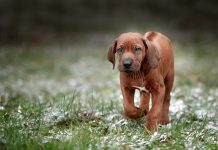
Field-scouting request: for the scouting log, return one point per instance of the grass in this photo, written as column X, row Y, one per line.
column 65, row 99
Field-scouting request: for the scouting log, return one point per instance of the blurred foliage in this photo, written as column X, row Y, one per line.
column 33, row 19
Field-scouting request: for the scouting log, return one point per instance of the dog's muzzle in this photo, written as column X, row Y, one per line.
column 127, row 63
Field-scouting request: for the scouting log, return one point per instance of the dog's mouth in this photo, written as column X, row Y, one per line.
column 129, row 70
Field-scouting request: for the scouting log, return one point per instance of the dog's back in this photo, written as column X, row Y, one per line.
column 165, row 49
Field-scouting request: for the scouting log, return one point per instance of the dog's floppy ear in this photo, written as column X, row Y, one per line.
column 153, row 54
column 111, row 53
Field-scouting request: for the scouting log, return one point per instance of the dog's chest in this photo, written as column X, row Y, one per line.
column 141, row 89
column 139, row 81
column 140, row 84
column 144, row 85
column 147, row 86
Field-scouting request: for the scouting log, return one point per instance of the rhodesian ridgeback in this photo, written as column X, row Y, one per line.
column 146, row 63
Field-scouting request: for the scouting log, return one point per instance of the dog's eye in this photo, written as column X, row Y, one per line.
column 138, row 49
column 120, row 50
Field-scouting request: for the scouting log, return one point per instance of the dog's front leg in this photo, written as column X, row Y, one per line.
column 154, row 113
column 128, row 103
column 144, row 102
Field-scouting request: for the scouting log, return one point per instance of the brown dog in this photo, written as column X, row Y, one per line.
column 146, row 63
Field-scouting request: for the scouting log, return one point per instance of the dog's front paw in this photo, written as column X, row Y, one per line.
column 151, row 123
column 164, row 120
column 144, row 111
column 134, row 113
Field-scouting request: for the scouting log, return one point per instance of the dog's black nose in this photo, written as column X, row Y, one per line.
column 127, row 62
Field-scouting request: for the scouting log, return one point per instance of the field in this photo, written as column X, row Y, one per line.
column 68, row 97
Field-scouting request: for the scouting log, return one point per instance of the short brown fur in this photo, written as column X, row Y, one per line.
column 151, row 67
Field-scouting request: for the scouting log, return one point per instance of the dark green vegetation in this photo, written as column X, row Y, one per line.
column 42, row 19
column 70, row 99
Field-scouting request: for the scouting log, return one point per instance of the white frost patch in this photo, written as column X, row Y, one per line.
column 121, row 122
column 169, row 125
column 53, row 115
column 116, row 121
column 112, row 116
column 214, row 92
column 162, row 137
column 177, row 106
column 127, row 140
column 60, row 135
column 201, row 113
column 154, row 136
column 197, row 93
column 212, row 125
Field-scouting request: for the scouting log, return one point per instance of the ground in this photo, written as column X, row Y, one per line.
column 68, row 97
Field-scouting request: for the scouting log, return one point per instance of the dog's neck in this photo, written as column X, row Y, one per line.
column 141, row 74
column 141, row 78
column 136, row 75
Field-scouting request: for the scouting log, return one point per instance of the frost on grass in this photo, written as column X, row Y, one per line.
column 185, row 102
column 62, row 135
column 205, row 104
column 53, row 115
column 100, row 102
column 83, row 77
column 92, row 74
column 212, row 125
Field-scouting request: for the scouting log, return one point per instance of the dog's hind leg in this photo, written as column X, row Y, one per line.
column 168, row 81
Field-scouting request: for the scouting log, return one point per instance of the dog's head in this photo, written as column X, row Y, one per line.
column 133, row 49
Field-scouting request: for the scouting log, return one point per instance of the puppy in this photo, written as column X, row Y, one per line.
column 146, row 63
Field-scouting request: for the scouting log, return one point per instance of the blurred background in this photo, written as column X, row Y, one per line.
column 54, row 35
column 56, row 83
column 42, row 21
